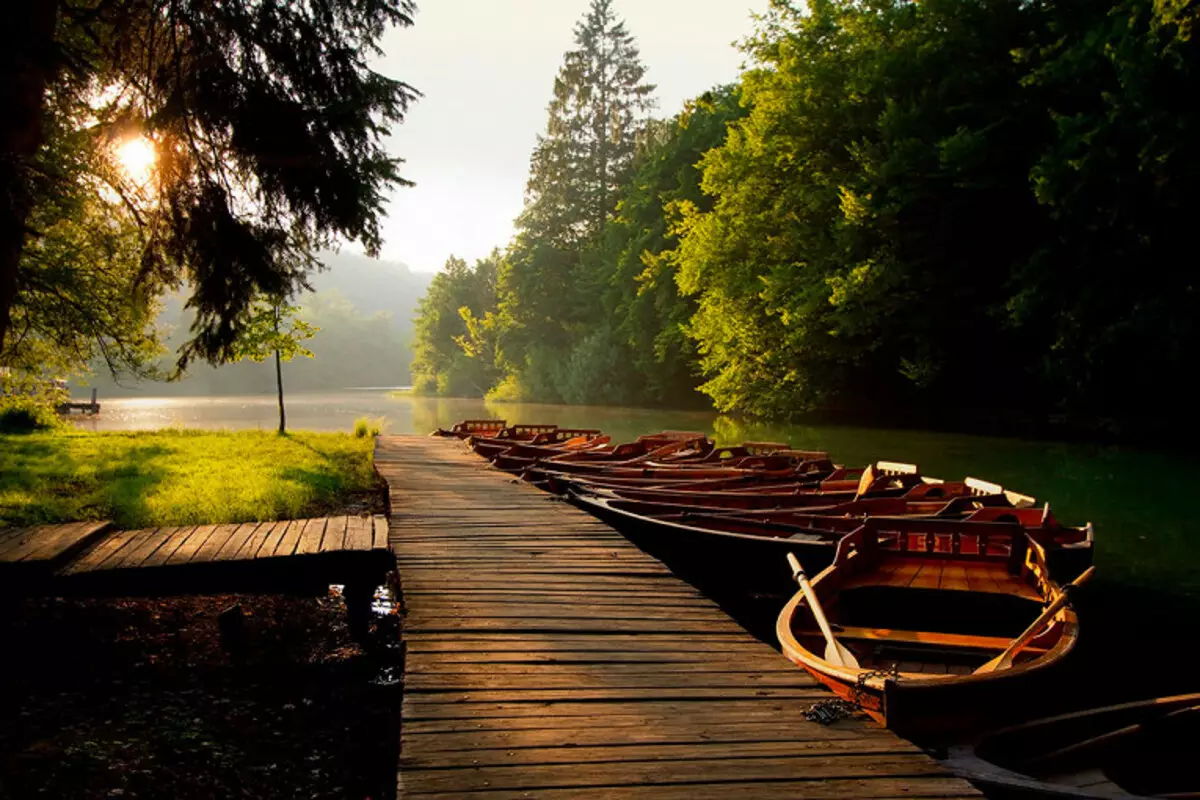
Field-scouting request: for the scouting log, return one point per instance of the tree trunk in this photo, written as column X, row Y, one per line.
column 26, row 63
column 279, row 383
column 279, row 376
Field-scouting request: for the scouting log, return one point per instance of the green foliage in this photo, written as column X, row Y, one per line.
column 29, row 402
column 367, row 428
column 455, row 347
column 159, row 478
column 26, row 415
column 81, row 295
column 547, row 295
column 268, row 121
column 273, row 329
column 937, row 212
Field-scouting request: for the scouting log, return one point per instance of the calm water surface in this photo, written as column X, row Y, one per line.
column 1140, row 501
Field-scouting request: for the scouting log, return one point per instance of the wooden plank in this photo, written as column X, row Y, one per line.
column 419, row 621
column 605, row 678
column 132, row 557
column 582, row 714
column 272, row 540
column 44, row 545
column 44, row 542
column 101, row 553
column 208, row 551
column 634, row 773
column 197, row 539
column 806, row 692
column 290, row 538
column 379, row 527
column 514, row 754
column 827, row 789
column 614, row 727
column 359, row 533
column 235, row 542
column 310, row 536
column 335, row 534
column 177, row 538
column 253, row 542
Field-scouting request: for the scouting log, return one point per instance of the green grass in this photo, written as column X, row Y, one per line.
column 155, row 478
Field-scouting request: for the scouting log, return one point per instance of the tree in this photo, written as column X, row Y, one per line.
column 634, row 274
column 267, row 122
column 600, row 104
column 454, row 348
column 79, row 297
column 867, row 214
column 273, row 329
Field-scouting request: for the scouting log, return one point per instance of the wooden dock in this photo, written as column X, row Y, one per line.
column 294, row 555
column 547, row 657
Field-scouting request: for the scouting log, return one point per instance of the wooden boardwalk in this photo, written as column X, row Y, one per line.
column 547, row 657
column 29, row 555
column 304, row 554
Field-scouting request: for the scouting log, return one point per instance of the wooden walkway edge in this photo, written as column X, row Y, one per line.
column 89, row 558
column 547, row 657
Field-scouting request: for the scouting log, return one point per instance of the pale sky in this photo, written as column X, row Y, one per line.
column 486, row 68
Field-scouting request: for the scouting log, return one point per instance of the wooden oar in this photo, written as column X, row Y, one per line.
column 1005, row 659
column 835, row 653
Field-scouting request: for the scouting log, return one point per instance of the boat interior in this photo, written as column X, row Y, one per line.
column 932, row 597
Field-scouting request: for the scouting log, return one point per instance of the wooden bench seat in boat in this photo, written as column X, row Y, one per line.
column 933, row 639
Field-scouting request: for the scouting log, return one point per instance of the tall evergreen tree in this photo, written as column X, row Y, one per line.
column 601, row 102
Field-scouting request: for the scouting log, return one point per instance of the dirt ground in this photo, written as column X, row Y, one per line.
column 196, row 697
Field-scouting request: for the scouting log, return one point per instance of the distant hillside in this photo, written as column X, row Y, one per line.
column 372, row 285
column 364, row 308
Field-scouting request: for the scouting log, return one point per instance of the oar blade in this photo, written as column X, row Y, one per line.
column 836, row 653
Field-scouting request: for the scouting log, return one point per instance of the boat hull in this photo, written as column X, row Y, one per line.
column 742, row 562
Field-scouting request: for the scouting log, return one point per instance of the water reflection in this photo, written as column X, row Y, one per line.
column 1139, row 500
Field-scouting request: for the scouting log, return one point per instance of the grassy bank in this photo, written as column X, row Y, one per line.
column 154, row 478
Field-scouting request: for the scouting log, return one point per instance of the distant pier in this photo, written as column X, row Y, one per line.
column 83, row 406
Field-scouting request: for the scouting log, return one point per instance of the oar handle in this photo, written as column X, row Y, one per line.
column 797, row 570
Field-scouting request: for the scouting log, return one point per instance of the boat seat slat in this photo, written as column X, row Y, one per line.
column 933, row 639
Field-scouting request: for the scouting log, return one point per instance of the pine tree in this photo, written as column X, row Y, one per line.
column 600, row 102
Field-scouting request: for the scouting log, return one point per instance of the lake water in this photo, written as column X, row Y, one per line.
column 1141, row 501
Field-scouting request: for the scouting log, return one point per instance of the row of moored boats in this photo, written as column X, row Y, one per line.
column 931, row 605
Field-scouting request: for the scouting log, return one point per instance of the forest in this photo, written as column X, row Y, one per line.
column 953, row 210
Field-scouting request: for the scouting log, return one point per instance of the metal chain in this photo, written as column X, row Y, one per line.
column 827, row 712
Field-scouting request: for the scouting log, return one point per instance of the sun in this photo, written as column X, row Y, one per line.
column 137, row 158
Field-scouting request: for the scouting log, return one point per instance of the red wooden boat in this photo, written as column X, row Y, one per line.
column 930, row 625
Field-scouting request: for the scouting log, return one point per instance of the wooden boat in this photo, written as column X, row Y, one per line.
column 800, row 494
column 473, row 427
column 804, row 477
column 847, row 516
column 930, row 625
column 1140, row 749
column 749, row 480
column 1069, row 549
column 543, row 445
column 733, row 551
